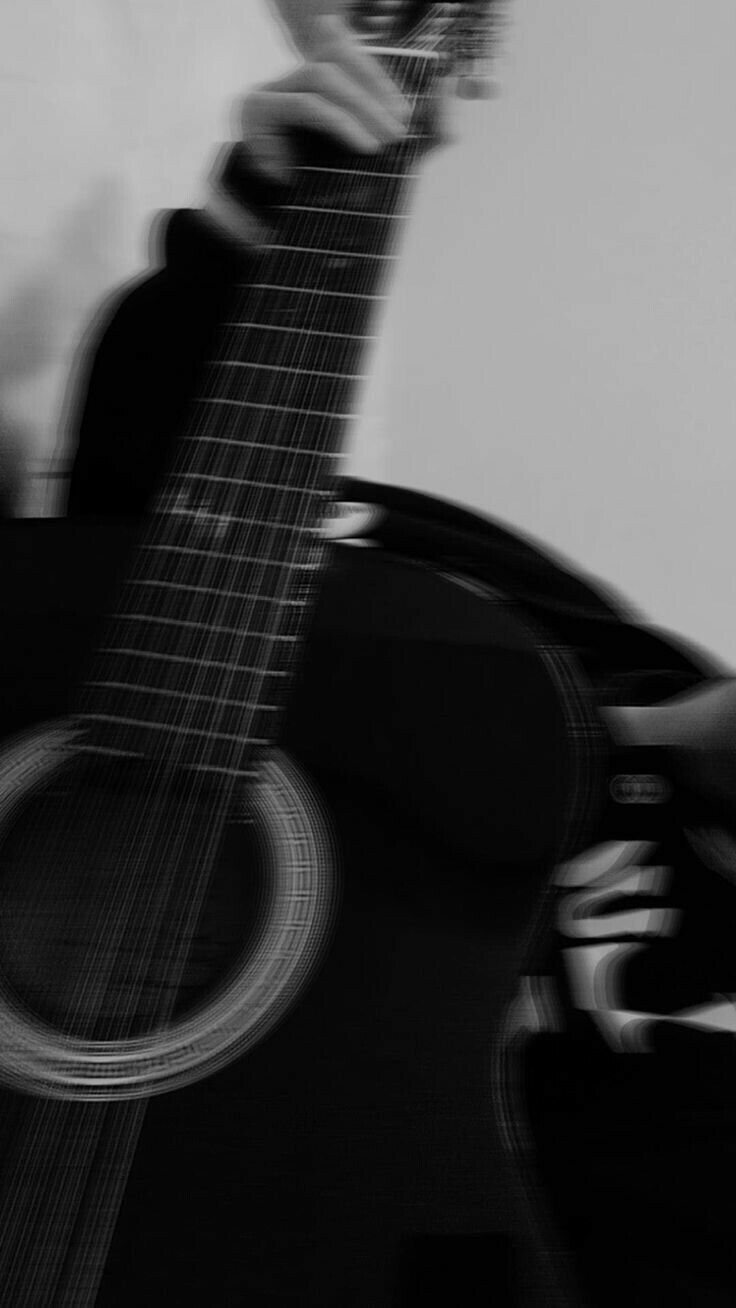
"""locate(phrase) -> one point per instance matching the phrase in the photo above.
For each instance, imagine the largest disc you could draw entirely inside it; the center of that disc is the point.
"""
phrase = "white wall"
(573, 364)
(111, 110)
(568, 366)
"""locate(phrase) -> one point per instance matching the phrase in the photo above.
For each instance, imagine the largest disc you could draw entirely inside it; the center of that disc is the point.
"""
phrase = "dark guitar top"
(357, 1156)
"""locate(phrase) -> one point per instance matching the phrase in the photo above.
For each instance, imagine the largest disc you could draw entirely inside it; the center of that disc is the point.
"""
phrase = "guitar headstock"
(464, 34)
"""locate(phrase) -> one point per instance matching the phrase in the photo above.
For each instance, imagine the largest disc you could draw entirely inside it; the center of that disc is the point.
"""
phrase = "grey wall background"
(560, 349)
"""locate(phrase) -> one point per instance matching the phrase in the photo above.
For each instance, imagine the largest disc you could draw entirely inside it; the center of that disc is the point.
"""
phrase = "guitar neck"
(208, 630)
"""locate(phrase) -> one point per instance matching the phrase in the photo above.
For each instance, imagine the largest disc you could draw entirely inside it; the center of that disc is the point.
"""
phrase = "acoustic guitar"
(268, 874)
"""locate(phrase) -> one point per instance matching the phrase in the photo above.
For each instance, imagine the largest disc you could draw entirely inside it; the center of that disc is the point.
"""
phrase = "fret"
(172, 680)
(166, 692)
(174, 728)
(205, 512)
(182, 754)
(342, 213)
(299, 390)
(202, 614)
(304, 393)
(301, 331)
(216, 590)
(341, 204)
(350, 275)
(195, 518)
(283, 367)
(266, 445)
(363, 173)
(250, 521)
(191, 659)
(275, 408)
(219, 501)
(311, 290)
(210, 628)
(109, 751)
(201, 647)
(202, 714)
(246, 481)
(311, 348)
(266, 588)
(243, 773)
(232, 558)
(330, 254)
(289, 301)
(181, 746)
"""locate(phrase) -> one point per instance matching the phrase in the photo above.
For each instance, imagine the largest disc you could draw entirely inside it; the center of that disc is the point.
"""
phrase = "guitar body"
(355, 1154)
(272, 855)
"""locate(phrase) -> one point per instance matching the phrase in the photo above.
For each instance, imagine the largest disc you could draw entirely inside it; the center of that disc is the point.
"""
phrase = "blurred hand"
(338, 89)
(699, 728)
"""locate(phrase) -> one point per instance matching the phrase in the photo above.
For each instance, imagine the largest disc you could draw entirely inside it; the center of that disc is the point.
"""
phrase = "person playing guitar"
(141, 375)
(340, 90)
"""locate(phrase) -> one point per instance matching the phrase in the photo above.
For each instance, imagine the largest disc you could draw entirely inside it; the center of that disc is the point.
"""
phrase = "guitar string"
(428, 24)
(261, 592)
(230, 507)
(275, 625)
(260, 458)
(264, 460)
(258, 514)
(248, 624)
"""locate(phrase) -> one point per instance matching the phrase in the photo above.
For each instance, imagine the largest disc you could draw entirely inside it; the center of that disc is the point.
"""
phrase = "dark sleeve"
(141, 368)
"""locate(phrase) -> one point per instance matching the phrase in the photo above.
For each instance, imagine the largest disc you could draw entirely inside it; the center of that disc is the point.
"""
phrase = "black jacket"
(140, 367)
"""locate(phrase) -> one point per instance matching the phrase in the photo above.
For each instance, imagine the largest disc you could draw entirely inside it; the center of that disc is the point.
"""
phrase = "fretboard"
(198, 660)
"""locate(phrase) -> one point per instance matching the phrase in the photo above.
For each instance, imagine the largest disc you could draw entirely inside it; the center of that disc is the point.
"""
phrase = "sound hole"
(122, 903)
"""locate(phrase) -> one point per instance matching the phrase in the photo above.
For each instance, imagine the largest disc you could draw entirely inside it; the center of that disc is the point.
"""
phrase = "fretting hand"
(338, 89)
